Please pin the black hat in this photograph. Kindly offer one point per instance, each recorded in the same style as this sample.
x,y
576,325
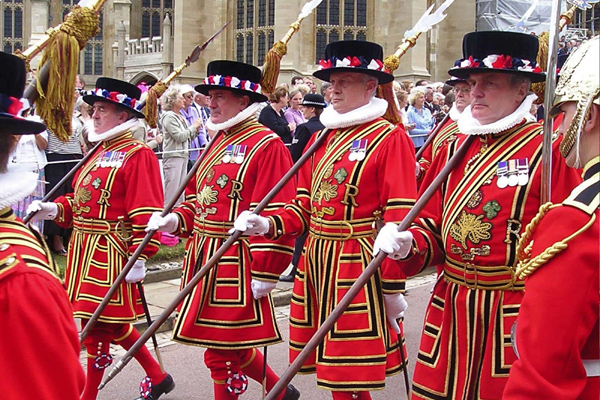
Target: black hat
x,y
235,76
12,82
353,56
454,80
120,93
314,100
496,51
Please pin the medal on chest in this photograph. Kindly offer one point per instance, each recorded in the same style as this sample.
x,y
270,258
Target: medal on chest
x,y
358,150
228,154
111,159
512,173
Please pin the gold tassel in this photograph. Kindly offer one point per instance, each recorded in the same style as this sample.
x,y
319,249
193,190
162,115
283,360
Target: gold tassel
x,y
151,109
55,104
270,72
539,88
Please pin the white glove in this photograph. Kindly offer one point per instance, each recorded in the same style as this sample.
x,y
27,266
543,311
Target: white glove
x,y
43,210
395,304
261,288
137,272
251,224
169,223
396,244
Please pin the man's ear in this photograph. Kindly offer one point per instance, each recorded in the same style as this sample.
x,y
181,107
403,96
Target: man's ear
x,y
244,101
371,85
593,121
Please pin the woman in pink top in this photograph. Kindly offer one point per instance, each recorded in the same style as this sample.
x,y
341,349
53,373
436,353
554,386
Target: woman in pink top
x,y
293,113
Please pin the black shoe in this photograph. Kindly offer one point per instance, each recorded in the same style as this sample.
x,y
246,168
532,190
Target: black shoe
x,y
291,393
286,278
158,390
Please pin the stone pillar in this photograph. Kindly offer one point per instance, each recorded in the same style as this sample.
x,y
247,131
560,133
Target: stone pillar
x,y
460,20
40,12
123,15
167,50
120,55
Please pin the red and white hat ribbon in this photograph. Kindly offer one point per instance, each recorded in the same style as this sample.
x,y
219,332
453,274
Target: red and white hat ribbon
x,y
233,83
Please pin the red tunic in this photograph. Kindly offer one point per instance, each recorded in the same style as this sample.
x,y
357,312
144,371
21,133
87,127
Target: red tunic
x,y
338,201
38,339
118,188
472,227
557,329
241,168
445,136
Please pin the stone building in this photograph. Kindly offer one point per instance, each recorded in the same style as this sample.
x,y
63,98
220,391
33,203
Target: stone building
x,y
143,40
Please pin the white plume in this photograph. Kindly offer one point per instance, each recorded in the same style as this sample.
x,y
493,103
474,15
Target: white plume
x,y
308,8
427,21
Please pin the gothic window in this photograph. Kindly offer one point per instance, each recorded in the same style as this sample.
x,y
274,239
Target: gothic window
x,y
11,13
340,20
255,30
153,15
92,63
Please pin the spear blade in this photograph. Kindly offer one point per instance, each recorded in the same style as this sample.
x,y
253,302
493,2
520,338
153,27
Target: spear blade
x,y
308,8
193,57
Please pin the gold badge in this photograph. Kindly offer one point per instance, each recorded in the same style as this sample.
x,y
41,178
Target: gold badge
x,y
207,195
82,196
86,181
326,192
470,227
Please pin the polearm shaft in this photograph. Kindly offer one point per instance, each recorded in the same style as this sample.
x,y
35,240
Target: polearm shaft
x,y
432,136
548,96
140,288
366,275
136,254
211,262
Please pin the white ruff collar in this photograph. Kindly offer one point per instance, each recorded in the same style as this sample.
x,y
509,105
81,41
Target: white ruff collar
x,y
111,133
231,122
470,126
454,113
370,111
16,183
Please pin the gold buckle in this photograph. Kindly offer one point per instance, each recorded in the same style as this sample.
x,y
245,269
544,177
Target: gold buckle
x,y
349,235
466,282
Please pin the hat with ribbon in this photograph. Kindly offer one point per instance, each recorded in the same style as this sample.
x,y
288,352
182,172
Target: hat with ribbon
x,y
120,93
353,56
234,76
12,82
495,51
454,80
314,100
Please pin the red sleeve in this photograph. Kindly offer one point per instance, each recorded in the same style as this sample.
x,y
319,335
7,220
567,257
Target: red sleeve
x,y
144,196
271,257
559,313
397,192
39,341
187,210
293,219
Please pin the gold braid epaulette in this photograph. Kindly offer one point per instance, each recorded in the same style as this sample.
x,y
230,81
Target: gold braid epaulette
x,y
527,265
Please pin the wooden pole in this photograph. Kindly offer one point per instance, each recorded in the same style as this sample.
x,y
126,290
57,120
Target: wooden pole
x,y
211,262
337,312
119,279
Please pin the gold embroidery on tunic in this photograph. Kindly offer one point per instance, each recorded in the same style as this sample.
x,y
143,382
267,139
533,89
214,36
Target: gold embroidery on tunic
x,y
470,227
82,196
207,195
326,191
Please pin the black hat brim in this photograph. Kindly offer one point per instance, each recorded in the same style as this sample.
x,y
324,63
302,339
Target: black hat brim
x,y
463,73
382,77
255,97
19,126
91,99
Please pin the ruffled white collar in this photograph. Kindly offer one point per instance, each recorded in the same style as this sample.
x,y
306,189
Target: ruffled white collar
x,y
111,133
454,113
241,116
17,183
470,126
370,111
